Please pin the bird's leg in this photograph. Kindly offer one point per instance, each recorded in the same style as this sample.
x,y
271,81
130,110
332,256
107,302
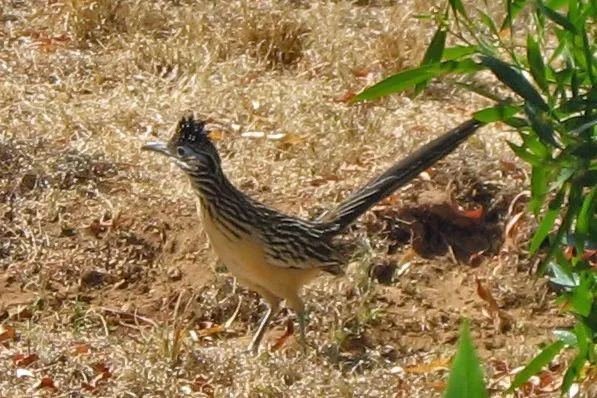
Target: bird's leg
x,y
272,307
302,321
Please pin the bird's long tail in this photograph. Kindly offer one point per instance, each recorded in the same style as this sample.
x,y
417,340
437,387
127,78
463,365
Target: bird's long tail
x,y
385,184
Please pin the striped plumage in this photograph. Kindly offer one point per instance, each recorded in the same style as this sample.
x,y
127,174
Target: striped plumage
x,y
270,252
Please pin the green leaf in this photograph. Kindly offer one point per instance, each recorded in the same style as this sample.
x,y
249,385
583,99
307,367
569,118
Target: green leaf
x,y
410,78
398,82
496,113
583,337
457,7
536,364
536,63
585,216
466,376
540,123
514,8
512,78
548,221
567,337
574,202
557,18
488,21
456,52
562,276
433,54
539,187
525,155
581,297
573,371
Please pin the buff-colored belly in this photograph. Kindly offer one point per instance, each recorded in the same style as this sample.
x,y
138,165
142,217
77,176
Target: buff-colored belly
x,y
244,257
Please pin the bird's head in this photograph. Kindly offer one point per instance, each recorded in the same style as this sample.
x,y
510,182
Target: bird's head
x,y
190,147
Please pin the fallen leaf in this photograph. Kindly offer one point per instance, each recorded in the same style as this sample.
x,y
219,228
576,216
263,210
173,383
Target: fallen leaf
x,y
46,382
23,361
80,349
440,364
101,371
7,334
486,295
346,97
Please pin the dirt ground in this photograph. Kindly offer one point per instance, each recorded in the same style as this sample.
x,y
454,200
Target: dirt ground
x,y
108,286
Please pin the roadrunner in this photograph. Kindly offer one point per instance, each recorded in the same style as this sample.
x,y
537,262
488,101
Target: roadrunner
x,y
269,252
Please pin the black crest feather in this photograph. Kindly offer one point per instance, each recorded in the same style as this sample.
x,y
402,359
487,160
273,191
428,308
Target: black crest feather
x,y
190,130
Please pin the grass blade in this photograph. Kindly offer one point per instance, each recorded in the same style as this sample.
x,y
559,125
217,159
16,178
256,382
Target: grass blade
x,y
466,376
536,364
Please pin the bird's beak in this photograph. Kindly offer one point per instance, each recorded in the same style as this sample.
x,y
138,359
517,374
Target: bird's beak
x,y
157,146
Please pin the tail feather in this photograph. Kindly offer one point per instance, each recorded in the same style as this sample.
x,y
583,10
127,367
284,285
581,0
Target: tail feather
x,y
396,176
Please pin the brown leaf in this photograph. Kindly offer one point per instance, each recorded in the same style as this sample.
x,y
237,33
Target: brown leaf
x,y
7,334
440,364
486,295
46,382
101,371
346,97
22,360
212,330
200,384
80,349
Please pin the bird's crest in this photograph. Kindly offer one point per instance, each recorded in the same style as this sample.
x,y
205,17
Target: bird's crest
x,y
190,131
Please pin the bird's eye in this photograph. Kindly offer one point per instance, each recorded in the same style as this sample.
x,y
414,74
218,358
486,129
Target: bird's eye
x,y
181,151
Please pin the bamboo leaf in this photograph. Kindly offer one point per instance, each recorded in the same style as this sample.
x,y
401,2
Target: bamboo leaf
x,y
433,54
536,364
585,216
547,223
557,18
466,376
536,63
456,52
512,78
496,113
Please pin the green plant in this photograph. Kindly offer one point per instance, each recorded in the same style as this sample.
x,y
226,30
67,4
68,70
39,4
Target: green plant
x,y
554,75
466,376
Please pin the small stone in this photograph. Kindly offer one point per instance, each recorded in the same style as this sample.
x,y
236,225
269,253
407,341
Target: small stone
x,y
174,273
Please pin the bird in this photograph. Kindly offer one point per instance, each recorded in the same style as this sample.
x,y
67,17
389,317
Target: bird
x,y
267,251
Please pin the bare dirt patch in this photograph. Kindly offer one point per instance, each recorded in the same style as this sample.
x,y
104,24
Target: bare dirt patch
x,y
105,273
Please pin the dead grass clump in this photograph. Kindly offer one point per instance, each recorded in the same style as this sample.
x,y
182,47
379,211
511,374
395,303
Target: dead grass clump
x,y
275,38
92,21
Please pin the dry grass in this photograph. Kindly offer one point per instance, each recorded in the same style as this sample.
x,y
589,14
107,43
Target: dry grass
x,y
94,232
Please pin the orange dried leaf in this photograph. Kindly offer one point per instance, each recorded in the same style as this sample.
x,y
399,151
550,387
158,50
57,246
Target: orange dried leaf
x,y
46,382
346,97
101,369
80,349
211,331
23,361
440,364
486,295
8,334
